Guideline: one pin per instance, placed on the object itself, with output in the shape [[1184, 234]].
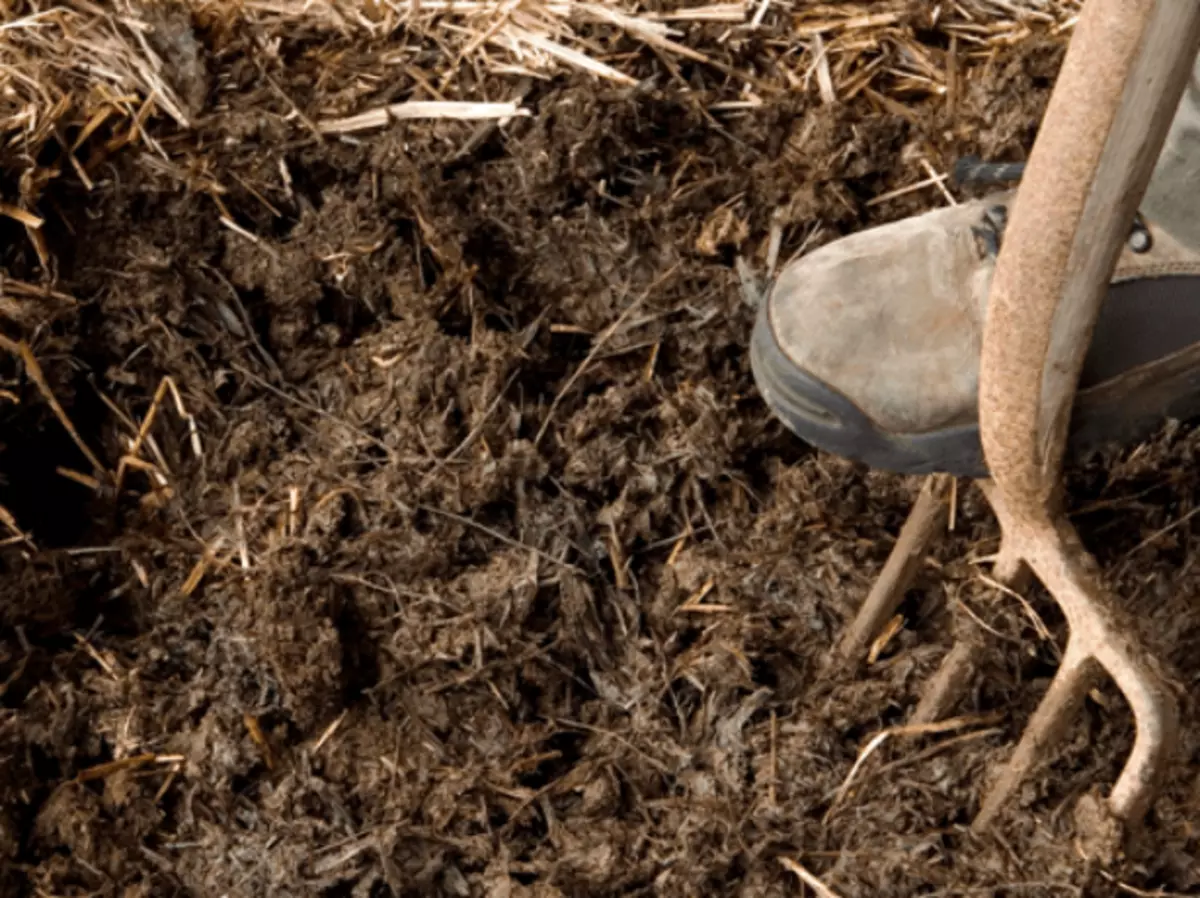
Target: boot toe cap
[[869, 346], [891, 318]]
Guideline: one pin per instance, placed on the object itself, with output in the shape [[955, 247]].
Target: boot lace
[[989, 233]]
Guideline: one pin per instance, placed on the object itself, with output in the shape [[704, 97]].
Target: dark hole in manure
[[360, 662], [53, 508]]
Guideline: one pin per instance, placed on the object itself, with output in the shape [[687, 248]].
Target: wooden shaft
[[1122, 79]]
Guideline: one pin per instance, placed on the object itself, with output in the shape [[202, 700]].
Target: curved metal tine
[[924, 524], [960, 666], [1097, 647], [1112, 641], [1101, 641], [1076, 676]]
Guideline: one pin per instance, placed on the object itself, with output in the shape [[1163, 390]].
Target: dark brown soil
[[473, 427]]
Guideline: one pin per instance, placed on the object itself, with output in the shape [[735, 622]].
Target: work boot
[[869, 347]]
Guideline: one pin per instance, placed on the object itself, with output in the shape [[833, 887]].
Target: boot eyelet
[[987, 242]]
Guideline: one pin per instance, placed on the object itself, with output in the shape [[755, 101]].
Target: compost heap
[[387, 505]]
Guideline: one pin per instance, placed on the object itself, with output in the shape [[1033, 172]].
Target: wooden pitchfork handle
[[1123, 77], [1120, 84]]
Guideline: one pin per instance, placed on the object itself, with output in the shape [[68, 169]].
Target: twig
[[329, 731], [441, 463], [774, 760], [1039, 625], [904, 191], [824, 78], [822, 890], [1141, 893], [1154, 537], [600, 341], [22, 351], [940, 180], [357, 431], [952, 679], [100, 771], [926, 753], [915, 729], [420, 109], [495, 534]]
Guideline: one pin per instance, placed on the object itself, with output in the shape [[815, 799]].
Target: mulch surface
[[460, 556]]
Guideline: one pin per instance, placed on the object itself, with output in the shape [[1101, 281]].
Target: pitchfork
[[1124, 74]]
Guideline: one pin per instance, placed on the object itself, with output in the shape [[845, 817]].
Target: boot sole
[[1137, 376]]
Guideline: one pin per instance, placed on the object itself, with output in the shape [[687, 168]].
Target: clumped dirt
[[475, 419]]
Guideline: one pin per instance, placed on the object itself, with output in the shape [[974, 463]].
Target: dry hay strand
[[84, 80], [82, 66], [85, 67], [872, 49]]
